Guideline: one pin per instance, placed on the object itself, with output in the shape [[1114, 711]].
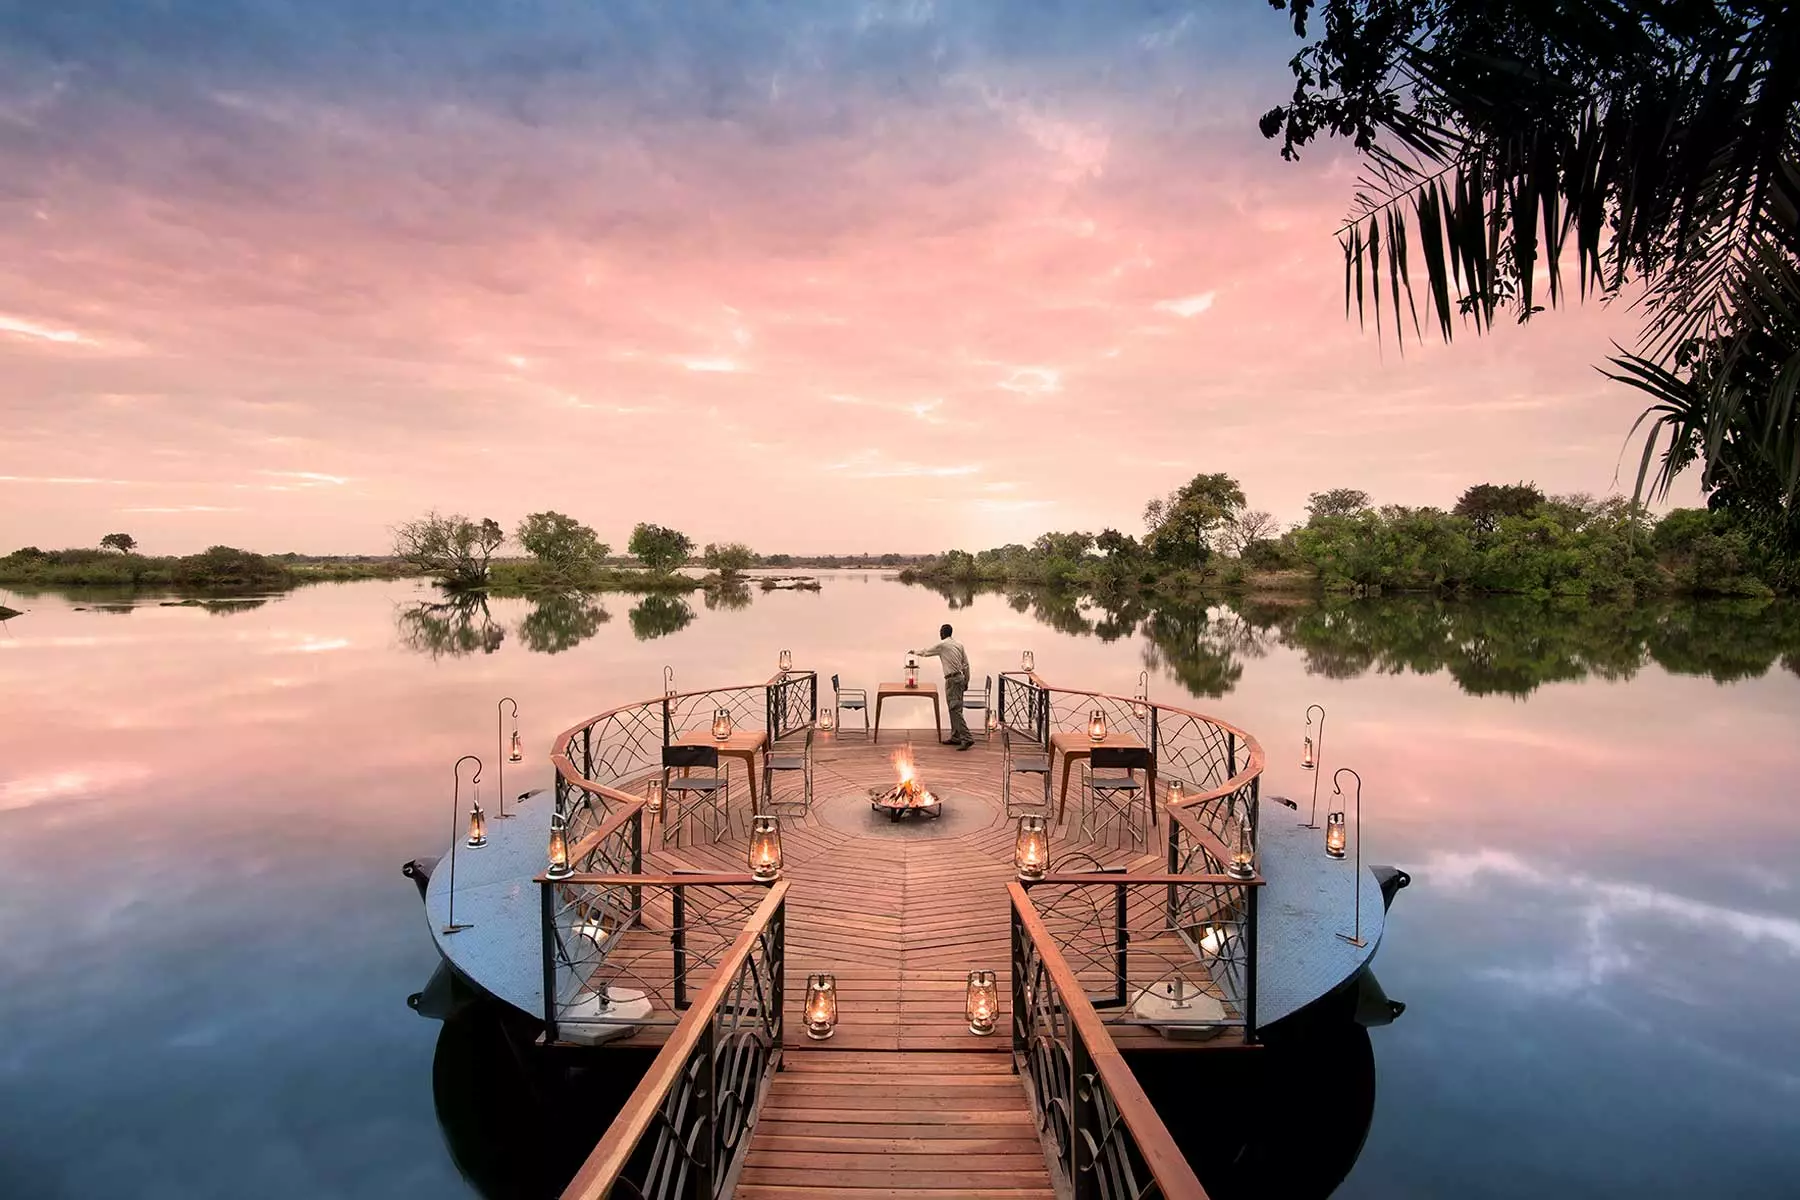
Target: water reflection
[[730, 597], [1505, 646], [560, 621], [458, 624], [658, 615]]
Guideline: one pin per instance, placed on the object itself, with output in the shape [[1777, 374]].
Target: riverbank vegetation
[[1499, 539], [220, 568]]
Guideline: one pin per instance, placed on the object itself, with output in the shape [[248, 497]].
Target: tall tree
[[1182, 525], [1647, 144], [452, 548], [1485, 504], [560, 543], [1338, 502], [730, 559], [659, 548], [124, 543]]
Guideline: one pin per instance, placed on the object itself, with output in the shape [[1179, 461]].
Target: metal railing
[[683, 1133], [1102, 1136]]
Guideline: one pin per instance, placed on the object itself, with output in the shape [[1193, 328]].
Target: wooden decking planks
[[873, 1125]]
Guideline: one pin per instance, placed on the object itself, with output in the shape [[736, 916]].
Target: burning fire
[[909, 792]]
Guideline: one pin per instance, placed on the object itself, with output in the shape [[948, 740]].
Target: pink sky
[[857, 279]]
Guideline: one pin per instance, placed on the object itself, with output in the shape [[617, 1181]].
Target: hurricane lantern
[[1140, 704], [785, 662], [993, 720], [912, 673], [827, 720], [765, 848], [653, 796], [477, 826], [1027, 662], [1309, 760], [1031, 849], [722, 724], [518, 750], [559, 851], [1336, 835], [1243, 850], [983, 1004], [821, 1005], [1177, 796], [1097, 725]]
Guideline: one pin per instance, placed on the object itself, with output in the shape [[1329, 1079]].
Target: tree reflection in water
[[457, 625], [658, 615], [728, 596], [559, 621], [1508, 646]]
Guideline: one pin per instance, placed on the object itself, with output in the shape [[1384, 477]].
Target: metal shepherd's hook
[[501, 751], [450, 926], [1355, 939], [1312, 758]]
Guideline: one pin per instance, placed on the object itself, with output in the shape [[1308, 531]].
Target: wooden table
[[900, 689], [743, 743], [1074, 744]]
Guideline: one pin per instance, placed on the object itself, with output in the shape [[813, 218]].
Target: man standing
[[955, 661]]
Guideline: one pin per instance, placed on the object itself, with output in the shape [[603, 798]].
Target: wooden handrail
[[1162, 1157], [610, 1157], [1200, 833], [698, 879], [613, 823], [1096, 879]]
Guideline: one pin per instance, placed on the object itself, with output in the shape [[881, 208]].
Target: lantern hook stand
[[500, 751], [450, 925], [1355, 939], [1312, 822]]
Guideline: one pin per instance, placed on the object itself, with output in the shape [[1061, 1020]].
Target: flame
[[904, 767]]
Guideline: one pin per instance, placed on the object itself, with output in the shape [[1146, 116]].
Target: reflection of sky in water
[[208, 943]]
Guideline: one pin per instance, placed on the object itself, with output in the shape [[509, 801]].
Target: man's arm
[[933, 652]]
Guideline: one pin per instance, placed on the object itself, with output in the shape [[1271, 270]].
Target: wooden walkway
[[875, 1125]]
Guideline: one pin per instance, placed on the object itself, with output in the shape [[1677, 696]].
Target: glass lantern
[[765, 848], [827, 720], [1336, 835], [653, 796], [1097, 725], [1027, 661], [1177, 794], [1031, 849], [912, 673], [1140, 703], [821, 1006], [982, 1005], [786, 661], [1309, 759], [721, 727], [993, 720], [1243, 850], [477, 826], [559, 850]]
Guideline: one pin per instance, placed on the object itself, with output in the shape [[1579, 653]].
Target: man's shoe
[[965, 745]]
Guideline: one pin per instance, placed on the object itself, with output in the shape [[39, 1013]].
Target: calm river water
[[208, 945]]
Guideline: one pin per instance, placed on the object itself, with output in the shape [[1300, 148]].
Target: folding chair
[[1034, 761], [705, 798], [981, 702], [783, 758], [1111, 798], [853, 699]]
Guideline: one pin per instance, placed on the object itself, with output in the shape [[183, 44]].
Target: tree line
[[1497, 539], [459, 551]]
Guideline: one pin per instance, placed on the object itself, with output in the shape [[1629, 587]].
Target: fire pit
[[908, 797]]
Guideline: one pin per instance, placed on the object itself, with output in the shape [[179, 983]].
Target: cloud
[[309, 478], [1033, 381], [184, 508], [44, 333], [711, 365], [1187, 306]]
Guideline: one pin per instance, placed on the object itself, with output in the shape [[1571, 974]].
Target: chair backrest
[[1120, 758], [690, 756], [834, 683]]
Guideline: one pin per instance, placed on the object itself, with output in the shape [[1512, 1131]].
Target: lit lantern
[[1031, 850], [1177, 794], [559, 850], [1097, 725], [821, 1006], [590, 928], [983, 1004], [912, 673], [786, 661], [1026, 661], [722, 724], [1140, 705], [1336, 840], [765, 848], [518, 750], [993, 720], [653, 796], [477, 826], [1309, 760], [1243, 851], [827, 720]]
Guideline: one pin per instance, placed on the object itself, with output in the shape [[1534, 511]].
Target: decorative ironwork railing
[[1024, 705], [1102, 1137], [1212, 912], [793, 703], [684, 1131]]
